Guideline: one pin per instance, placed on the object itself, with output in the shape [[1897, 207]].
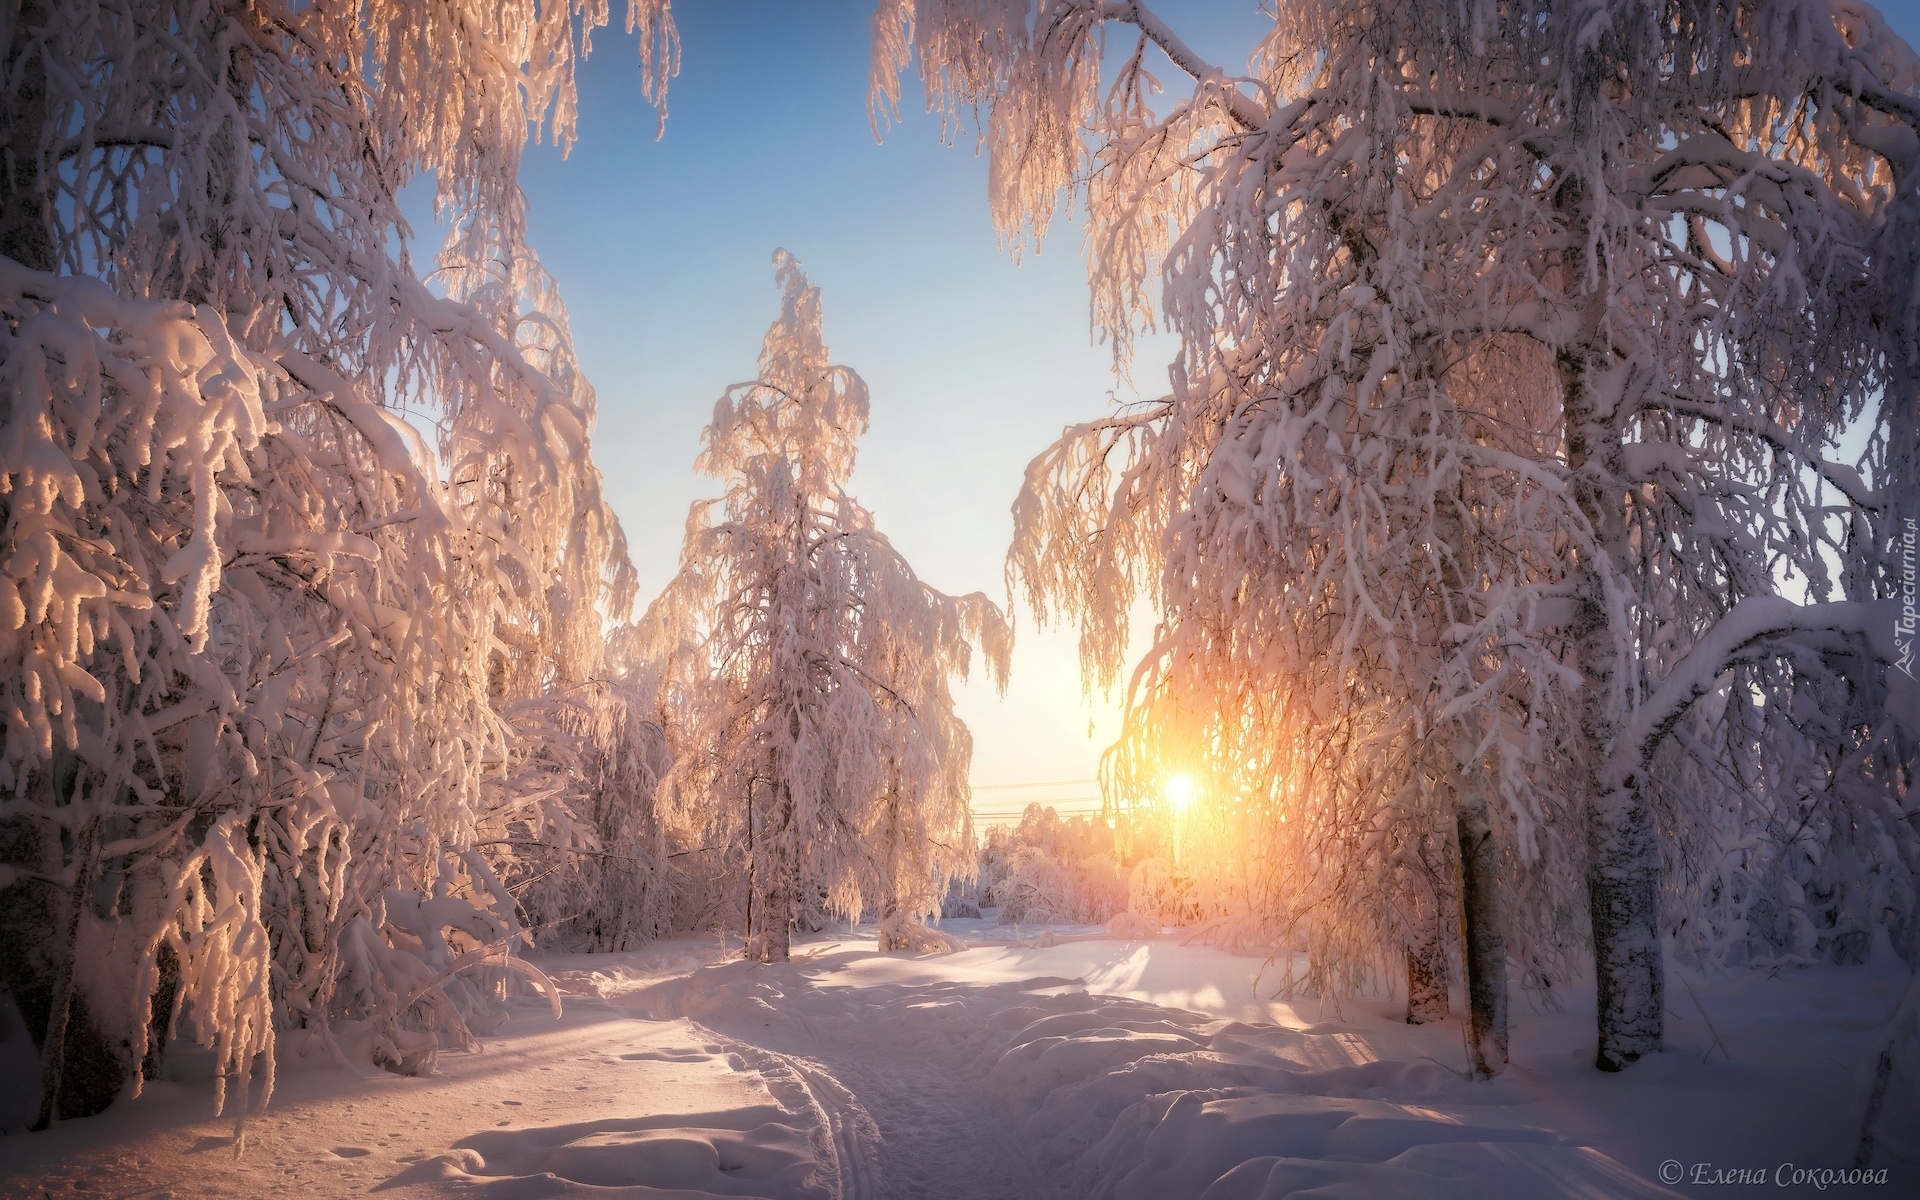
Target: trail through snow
[[1046, 1068], [1040, 1087]]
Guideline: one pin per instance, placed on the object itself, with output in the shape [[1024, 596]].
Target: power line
[[1002, 787], [1043, 801], [1017, 802]]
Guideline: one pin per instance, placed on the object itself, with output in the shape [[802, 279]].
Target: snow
[[1480, 312], [1043, 1062]]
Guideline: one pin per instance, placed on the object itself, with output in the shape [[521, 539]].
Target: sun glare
[[1180, 792]]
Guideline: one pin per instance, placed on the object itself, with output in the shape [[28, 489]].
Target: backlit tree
[[809, 665], [1517, 346]]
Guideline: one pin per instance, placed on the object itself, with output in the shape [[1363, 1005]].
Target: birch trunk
[[1623, 854], [1623, 897], [1483, 947], [1427, 980], [1623, 863], [1427, 971], [777, 908]]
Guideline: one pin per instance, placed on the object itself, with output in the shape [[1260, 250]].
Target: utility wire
[[1002, 787]]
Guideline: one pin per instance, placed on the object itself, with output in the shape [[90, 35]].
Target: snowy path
[[906, 1113], [1092, 1068], [1041, 1088]]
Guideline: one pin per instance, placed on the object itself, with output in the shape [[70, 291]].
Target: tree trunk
[[1623, 896], [1483, 946], [1483, 951], [1623, 864], [1427, 947], [784, 890], [82, 1068], [1623, 849], [892, 933], [80, 1073], [29, 919], [753, 879], [1426, 981], [160, 1013], [24, 117], [779, 923]]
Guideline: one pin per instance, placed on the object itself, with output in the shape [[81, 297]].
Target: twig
[[1717, 1043]]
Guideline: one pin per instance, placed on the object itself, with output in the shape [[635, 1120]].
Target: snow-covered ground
[[1059, 1063]]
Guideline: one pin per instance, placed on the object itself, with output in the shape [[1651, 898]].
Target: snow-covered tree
[[1049, 868], [263, 644], [602, 879], [808, 665], [1517, 346]]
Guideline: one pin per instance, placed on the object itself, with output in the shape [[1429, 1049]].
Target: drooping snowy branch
[[1517, 350], [282, 663]]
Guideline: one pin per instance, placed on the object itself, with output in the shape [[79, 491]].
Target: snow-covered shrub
[[608, 880], [899, 932], [1048, 869], [1191, 870], [962, 898], [1159, 893]]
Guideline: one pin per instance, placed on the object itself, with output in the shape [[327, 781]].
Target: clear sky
[[662, 250]]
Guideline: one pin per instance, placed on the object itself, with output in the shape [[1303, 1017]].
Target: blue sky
[[662, 250]]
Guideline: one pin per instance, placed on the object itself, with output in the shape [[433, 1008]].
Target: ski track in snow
[[936, 1135], [892, 1124], [1040, 1088], [853, 1133], [846, 1139]]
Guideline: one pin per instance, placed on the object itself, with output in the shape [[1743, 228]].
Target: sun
[[1180, 791]]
